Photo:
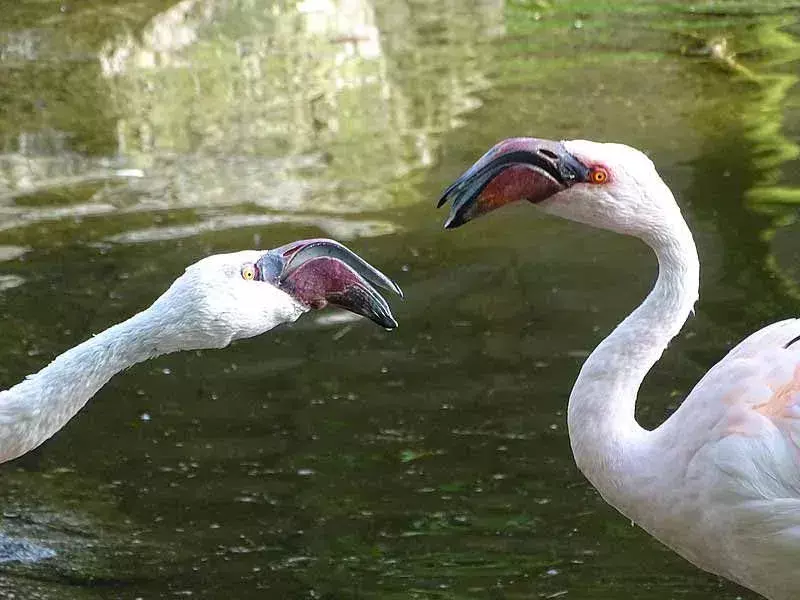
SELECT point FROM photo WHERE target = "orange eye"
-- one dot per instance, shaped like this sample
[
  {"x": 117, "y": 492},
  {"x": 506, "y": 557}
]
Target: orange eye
[{"x": 598, "y": 175}]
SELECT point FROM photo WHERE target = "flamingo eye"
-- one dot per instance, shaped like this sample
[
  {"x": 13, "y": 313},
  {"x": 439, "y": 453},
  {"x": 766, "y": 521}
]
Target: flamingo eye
[
  {"x": 598, "y": 175},
  {"x": 249, "y": 272}
]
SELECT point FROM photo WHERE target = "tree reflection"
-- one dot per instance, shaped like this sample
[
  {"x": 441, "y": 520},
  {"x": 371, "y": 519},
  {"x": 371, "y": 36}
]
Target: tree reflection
[{"x": 318, "y": 106}]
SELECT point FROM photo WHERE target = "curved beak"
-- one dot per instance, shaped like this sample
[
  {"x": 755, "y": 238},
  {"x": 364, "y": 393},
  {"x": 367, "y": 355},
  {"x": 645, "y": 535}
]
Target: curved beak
[
  {"x": 318, "y": 272},
  {"x": 514, "y": 169}
]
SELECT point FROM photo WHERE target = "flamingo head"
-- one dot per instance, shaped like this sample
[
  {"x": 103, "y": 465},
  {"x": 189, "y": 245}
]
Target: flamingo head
[
  {"x": 611, "y": 186},
  {"x": 243, "y": 294}
]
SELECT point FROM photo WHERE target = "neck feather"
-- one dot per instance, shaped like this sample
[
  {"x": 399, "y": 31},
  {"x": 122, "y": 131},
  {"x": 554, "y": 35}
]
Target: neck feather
[
  {"x": 607, "y": 442},
  {"x": 35, "y": 409}
]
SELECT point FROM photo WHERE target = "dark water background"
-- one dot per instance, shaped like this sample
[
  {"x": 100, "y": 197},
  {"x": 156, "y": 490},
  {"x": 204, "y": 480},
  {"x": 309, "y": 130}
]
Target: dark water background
[{"x": 331, "y": 459}]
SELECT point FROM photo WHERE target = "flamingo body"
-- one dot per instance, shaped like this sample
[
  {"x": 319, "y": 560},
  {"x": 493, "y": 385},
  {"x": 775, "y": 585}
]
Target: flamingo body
[
  {"x": 719, "y": 480},
  {"x": 725, "y": 488}
]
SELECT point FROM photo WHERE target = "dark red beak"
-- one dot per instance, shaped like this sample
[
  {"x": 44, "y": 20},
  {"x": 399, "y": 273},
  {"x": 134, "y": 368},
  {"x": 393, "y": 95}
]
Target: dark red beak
[
  {"x": 318, "y": 272},
  {"x": 514, "y": 169}
]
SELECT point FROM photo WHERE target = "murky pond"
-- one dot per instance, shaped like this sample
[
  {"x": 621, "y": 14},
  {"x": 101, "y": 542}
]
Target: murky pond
[{"x": 332, "y": 459}]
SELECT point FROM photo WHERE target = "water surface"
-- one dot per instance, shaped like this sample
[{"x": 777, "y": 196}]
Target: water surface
[{"x": 332, "y": 459}]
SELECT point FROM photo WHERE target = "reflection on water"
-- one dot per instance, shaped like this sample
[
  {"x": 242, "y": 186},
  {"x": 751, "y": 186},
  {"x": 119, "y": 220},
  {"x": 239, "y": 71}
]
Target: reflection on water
[
  {"x": 233, "y": 106},
  {"x": 332, "y": 459},
  {"x": 764, "y": 124},
  {"x": 757, "y": 176}
]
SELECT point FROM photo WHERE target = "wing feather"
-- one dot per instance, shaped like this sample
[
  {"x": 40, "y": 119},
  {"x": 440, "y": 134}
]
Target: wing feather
[{"x": 746, "y": 412}]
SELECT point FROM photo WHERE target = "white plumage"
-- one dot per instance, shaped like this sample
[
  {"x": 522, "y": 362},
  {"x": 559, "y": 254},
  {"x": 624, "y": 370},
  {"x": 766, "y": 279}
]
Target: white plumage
[
  {"x": 209, "y": 306},
  {"x": 719, "y": 481}
]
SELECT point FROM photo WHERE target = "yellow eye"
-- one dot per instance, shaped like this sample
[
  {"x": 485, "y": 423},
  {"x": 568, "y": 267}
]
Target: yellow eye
[
  {"x": 249, "y": 272},
  {"x": 598, "y": 175}
]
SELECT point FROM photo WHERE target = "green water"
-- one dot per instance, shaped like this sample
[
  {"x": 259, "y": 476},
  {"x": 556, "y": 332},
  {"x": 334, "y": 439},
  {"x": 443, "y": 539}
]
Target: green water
[{"x": 332, "y": 459}]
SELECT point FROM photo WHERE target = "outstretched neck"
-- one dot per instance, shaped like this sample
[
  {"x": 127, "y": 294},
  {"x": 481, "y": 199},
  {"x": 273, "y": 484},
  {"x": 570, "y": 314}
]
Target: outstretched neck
[
  {"x": 607, "y": 442},
  {"x": 35, "y": 409}
]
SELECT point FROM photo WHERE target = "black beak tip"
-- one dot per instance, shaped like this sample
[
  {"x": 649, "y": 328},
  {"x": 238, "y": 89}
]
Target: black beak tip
[
  {"x": 456, "y": 219},
  {"x": 381, "y": 317},
  {"x": 392, "y": 285},
  {"x": 461, "y": 208},
  {"x": 448, "y": 193},
  {"x": 451, "y": 223}
]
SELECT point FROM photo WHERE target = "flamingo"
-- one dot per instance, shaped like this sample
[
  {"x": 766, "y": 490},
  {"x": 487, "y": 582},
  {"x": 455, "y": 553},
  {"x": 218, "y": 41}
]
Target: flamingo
[
  {"x": 221, "y": 298},
  {"x": 719, "y": 480}
]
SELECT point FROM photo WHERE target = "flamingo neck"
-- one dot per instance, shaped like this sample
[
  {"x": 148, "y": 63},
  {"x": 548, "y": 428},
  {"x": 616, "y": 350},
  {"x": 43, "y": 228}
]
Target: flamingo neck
[
  {"x": 610, "y": 447},
  {"x": 35, "y": 409}
]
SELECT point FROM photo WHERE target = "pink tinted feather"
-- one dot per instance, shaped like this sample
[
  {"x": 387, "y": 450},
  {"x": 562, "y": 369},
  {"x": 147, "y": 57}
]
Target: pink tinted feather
[{"x": 759, "y": 384}]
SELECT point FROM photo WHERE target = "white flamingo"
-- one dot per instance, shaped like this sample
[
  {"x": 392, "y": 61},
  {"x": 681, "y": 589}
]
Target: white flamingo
[
  {"x": 219, "y": 299},
  {"x": 719, "y": 481}
]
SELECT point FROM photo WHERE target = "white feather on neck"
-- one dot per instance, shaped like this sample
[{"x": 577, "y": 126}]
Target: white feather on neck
[
  {"x": 207, "y": 307},
  {"x": 610, "y": 447}
]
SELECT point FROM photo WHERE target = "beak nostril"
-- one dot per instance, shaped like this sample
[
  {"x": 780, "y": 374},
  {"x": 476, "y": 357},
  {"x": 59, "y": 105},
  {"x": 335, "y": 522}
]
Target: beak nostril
[{"x": 548, "y": 153}]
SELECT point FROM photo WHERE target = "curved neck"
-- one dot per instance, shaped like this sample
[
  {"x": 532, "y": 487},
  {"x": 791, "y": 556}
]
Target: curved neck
[
  {"x": 607, "y": 442},
  {"x": 33, "y": 410}
]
